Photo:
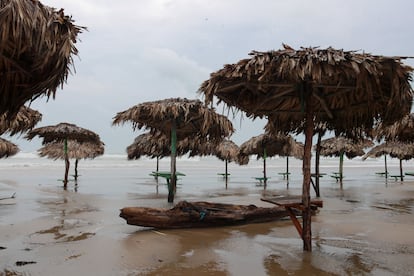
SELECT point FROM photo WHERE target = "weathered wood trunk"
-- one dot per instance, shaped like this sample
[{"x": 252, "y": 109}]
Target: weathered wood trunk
[
  {"x": 76, "y": 169},
  {"x": 200, "y": 214},
  {"x": 226, "y": 173},
  {"x": 172, "y": 187},
  {"x": 306, "y": 213},
  {"x": 317, "y": 159},
  {"x": 65, "y": 180},
  {"x": 264, "y": 169}
]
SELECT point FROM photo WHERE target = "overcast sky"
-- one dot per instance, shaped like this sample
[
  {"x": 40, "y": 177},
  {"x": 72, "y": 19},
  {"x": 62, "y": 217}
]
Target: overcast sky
[{"x": 144, "y": 50}]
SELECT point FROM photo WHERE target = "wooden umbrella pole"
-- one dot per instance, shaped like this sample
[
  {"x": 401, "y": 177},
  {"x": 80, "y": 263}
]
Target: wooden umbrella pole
[
  {"x": 306, "y": 213},
  {"x": 226, "y": 175},
  {"x": 226, "y": 168},
  {"x": 264, "y": 168},
  {"x": 401, "y": 171},
  {"x": 317, "y": 159},
  {"x": 157, "y": 169},
  {"x": 386, "y": 167},
  {"x": 67, "y": 164},
  {"x": 287, "y": 171},
  {"x": 76, "y": 169},
  {"x": 341, "y": 167},
  {"x": 173, "y": 181}
]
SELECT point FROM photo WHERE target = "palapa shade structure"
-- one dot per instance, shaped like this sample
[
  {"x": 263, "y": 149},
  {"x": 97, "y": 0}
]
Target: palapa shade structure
[
  {"x": 156, "y": 145},
  {"x": 147, "y": 145},
  {"x": 63, "y": 132},
  {"x": 268, "y": 145},
  {"x": 227, "y": 151},
  {"x": 36, "y": 51},
  {"x": 402, "y": 130},
  {"x": 340, "y": 146},
  {"x": 297, "y": 88},
  {"x": 401, "y": 133},
  {"x": 25, "y": 119},
  {"x": 179, "y": 119},
  {"x": 7, "y": 148},
  {"x": 400, "y": 150},
  {"x": 86, "y": 150}
]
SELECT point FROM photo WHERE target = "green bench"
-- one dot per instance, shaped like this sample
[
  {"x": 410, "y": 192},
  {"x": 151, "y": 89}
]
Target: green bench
[
  {"x": 223, "y": 174},
  {"x": 382, "y": 173},
  {"x": 284, "y": 174},
  {"x": 320, "y": 174},
  {"x": 337, "y": 176},
  {"x": 166, "y": 175},
  {"x": 396, "y": 176},
  {"x": 261, "y": 179}
]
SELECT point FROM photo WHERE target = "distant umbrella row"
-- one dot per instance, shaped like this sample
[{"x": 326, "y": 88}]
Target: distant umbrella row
[{"x": 68, "y": 141}]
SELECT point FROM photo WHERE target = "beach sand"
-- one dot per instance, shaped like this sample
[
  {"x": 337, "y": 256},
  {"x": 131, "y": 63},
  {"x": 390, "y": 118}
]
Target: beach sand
[{"x": 365, "y": 228}]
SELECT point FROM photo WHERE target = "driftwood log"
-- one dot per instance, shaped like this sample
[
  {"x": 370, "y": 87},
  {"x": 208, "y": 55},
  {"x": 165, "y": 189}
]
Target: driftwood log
[{"x": 201, "y": 214}]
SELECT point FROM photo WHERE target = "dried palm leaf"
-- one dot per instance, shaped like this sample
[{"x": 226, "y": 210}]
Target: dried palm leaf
[
  {"x": 76, "y": 150},
  {"x": 348, "y": 89},
  {"x": 7, "y": 148},
  {"x": 37, "y": 46},
  {"x": 190, "y": 117},
  {"x": 337, "y": 146},
  {"x": 63, "y": 131},
  {"x": 24, "y": 121},
  {"x": 402, "y": 130}
]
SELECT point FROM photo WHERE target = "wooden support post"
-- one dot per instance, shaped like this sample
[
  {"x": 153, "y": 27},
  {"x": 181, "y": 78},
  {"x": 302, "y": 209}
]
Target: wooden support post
[
  {"x": 264, "y": 168},
  {"x": 67, "y": 164},
  {"x": 306, "y": 213},
  {"x": 172, "y": 187},
  {"x": 294, "y": 220}
]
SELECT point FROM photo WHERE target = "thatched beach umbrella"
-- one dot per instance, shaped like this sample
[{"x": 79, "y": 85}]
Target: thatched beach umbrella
[
  {"x": 178, "y": 118},
  {"x": 340, "y": 146},
  {"x": 25, "y": 119},
  {"x": 228, "y": 151},
  {"x": 402, "y": 130},
  {"x": 268, "y": 145},
  {"x": 400, "y": 133},
  {"x": 297, "y": 88},
  {"x": 85, "y": 150},
  {"x": 400, "y": 150},
  {"x": 7, "y": 148},
  {"x": 62, "y": 133},
  {"x": 156, "y": 145},
  {"x": 148, "y": 144},
  {"x": 37, "y": 46}
]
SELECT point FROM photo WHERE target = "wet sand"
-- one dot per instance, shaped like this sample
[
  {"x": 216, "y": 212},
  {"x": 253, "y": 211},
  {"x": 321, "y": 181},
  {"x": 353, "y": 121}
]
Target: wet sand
[{"x": 365, "y": 228}]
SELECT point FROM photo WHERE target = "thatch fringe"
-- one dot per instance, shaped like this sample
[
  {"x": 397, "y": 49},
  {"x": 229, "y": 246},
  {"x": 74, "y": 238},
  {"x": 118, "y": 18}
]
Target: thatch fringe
[
  {"x": 36, "y": 48},
  {"x": 76, "y": 150},
  {"x": 273, "y": 144},
  {"x": 336, "y": 146},
  {"x": 63, "y": 131},
  {"x": 348, "y": 89},
  {"x": 402, "y": 130},
  {"x": 7, "y": 148},
  {"x": 191, "y": 117},
  {"x": 25, "y": 120},
  {"x": 400, "y": 150}
]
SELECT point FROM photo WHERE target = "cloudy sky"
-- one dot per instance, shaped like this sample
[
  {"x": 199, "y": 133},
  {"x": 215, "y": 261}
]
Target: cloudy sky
[{"x": 144, "y": 50}]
